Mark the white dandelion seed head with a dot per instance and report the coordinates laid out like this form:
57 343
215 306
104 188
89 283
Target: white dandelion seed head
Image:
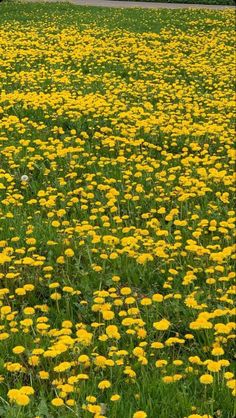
24 178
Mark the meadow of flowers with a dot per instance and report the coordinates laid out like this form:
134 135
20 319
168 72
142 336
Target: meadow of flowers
116 213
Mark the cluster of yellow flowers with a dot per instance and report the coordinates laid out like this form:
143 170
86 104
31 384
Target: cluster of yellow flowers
116 220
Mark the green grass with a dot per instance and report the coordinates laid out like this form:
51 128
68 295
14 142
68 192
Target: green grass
132 20
123 121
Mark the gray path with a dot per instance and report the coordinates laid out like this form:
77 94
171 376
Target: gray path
147 5
142 4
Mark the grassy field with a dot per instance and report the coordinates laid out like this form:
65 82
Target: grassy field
116 213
